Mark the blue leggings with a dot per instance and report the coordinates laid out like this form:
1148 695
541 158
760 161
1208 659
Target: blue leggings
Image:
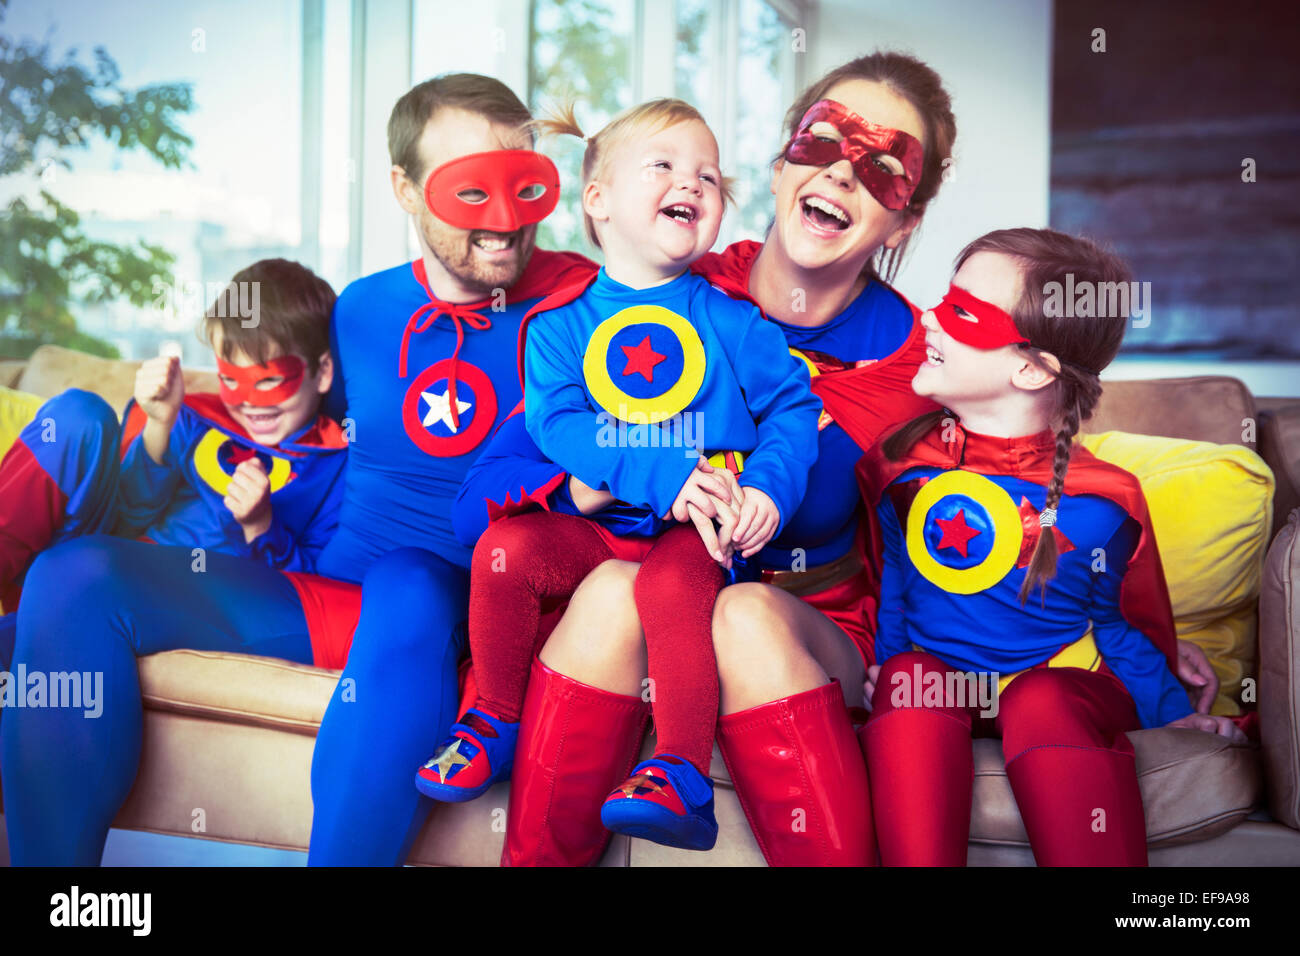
94 604
396 699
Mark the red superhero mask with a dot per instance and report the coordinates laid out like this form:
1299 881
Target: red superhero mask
862 142
498 191
984 325
289 367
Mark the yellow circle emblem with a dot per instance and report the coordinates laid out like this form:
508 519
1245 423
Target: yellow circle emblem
207 463
642 409
999 514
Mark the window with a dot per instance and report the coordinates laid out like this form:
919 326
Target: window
250 190
732 59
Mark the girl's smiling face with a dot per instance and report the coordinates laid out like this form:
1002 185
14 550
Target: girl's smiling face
955 372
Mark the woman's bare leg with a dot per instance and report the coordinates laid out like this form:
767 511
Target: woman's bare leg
599 640
771 645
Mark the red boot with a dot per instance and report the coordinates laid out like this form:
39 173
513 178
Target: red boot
1081 807
576 743
801 779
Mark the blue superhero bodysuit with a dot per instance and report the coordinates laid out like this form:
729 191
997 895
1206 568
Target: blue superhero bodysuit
956 545
423 384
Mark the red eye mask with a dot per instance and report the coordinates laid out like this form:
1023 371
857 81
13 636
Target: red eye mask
289 367
862 142
518 187
984 325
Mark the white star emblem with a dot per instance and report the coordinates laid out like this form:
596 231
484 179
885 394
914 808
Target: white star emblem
440 409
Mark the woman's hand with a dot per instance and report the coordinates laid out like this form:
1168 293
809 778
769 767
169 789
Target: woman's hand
869 685
1197 675
1211 725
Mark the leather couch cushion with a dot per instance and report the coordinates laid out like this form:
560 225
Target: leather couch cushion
1212 563
1279 678
263 691
1209 408
11 372
1194 786
52 369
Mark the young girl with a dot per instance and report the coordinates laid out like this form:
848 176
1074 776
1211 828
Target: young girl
625 380
1022 592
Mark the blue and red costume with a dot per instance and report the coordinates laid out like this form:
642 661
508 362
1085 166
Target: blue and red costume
63 479
404 361
626 388
863 362
955 523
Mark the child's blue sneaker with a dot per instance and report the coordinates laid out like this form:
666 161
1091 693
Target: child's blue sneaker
479 752
666 801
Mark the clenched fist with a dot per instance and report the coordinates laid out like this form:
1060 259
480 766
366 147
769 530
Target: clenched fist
160 387
249 498
159 390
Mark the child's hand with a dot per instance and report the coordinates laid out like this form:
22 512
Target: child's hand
1211 725
249 498
759 520
159 388
869 685
704 488
1197 675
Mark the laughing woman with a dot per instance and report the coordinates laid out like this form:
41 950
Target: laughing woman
865 151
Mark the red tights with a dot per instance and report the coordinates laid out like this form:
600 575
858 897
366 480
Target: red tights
523 561
1070 766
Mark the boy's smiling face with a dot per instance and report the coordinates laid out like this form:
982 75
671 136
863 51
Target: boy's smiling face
272 423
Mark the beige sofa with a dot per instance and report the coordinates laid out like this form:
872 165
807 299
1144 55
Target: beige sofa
232 736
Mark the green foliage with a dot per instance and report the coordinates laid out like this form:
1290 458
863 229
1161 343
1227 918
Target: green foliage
48 266
578 55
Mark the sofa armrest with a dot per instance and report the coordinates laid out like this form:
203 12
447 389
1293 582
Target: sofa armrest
11 372
1279 672
1279 445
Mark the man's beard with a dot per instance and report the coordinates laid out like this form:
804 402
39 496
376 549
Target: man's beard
454 249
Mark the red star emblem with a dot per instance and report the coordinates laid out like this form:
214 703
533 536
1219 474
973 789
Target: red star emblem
956 532
1029 521
642 359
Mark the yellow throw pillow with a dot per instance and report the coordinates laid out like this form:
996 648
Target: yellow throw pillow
1211 509
16 410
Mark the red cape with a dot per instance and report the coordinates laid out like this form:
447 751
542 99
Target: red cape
326 433
1144 595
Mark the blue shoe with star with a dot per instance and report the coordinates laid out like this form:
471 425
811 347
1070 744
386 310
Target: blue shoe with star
479 752
666 801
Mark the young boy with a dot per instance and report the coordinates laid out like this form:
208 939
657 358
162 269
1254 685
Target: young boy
254 471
